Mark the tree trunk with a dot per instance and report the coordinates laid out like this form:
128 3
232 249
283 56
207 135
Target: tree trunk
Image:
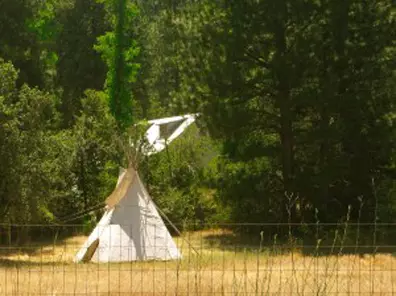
286 136
284 103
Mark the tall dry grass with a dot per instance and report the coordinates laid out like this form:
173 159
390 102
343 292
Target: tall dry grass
235 270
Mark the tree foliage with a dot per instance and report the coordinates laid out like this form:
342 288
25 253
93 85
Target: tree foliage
47 173
79 66
119 49
299 96
176 179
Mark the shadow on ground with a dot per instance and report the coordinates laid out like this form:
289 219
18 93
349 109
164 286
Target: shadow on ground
56 246
307 245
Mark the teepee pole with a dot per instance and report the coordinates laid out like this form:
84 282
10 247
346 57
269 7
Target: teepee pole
175 228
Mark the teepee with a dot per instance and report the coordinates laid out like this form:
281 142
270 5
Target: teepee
131 228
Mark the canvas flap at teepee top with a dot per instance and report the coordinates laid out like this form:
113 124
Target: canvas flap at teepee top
163 131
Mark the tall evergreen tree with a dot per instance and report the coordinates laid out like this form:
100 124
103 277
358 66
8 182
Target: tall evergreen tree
79 66
119 49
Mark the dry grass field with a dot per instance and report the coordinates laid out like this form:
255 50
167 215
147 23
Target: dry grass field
49 270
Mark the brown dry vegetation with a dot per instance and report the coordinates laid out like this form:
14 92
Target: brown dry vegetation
49 270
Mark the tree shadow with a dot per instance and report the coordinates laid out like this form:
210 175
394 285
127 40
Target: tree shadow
244 242
10 263
42 249
307 244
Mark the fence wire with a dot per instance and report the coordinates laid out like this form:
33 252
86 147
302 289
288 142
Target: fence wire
222 259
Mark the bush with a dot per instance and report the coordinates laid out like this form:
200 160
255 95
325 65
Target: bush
176 180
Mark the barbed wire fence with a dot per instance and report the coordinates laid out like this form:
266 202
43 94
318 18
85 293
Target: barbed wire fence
222 259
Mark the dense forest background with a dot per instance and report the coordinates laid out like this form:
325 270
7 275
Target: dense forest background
297 103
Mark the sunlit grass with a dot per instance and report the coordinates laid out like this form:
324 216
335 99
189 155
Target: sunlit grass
208 266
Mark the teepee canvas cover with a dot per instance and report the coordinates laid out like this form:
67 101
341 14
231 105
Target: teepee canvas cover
131 228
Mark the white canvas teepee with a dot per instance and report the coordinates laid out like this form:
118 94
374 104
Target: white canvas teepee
131 229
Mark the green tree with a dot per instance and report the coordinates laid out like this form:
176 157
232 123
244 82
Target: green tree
302 88
19 44
95 151
177 182
79 65
31 150
119 49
